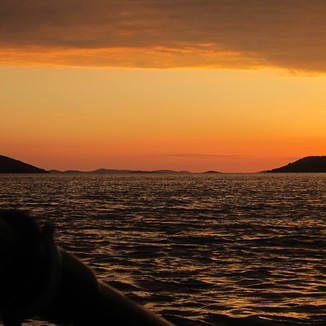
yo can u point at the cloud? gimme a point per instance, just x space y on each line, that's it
289 34
208 156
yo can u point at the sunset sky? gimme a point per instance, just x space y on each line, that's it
226 85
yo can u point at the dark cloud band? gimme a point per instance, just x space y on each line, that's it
166 33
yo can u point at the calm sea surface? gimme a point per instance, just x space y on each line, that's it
227 249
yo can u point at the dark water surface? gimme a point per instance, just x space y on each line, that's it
227 249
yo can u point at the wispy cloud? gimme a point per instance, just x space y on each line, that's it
208 156
290 34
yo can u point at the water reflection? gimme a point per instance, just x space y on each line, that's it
194 248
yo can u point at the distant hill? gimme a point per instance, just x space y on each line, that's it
10 165
98 171
113 171
212 172
306 164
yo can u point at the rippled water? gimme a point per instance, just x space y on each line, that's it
227 249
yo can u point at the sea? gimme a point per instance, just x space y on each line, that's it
198 249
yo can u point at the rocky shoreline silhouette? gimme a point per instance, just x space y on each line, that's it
309 164
10 165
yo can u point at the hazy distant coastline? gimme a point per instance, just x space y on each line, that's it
10 165
113 171
309 164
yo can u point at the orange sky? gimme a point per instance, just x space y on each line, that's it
231 91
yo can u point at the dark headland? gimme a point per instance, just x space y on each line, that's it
10 165
309 164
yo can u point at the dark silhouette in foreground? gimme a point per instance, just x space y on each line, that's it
38 278
313 164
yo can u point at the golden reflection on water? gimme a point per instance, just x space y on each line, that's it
194 247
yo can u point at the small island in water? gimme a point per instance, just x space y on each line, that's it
309 164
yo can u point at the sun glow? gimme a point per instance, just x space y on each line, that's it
233 121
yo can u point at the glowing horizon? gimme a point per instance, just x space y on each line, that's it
137 85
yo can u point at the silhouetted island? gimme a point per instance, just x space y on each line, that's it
10 165
113 171
309 164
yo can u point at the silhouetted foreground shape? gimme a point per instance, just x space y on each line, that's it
10 165
38 278
306 164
